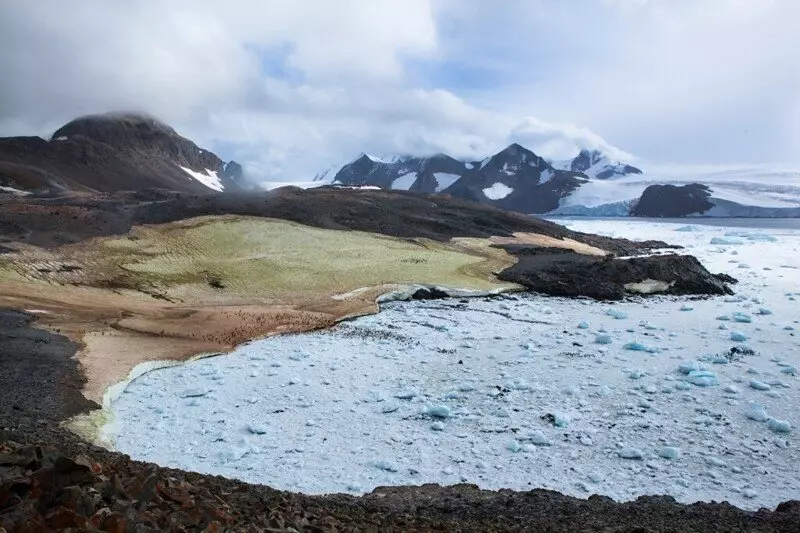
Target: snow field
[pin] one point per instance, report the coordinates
(647, 396)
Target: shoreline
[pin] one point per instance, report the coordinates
(97, 426)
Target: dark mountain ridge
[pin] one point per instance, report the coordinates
(113, 152)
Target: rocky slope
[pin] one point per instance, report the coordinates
(420, 174)
(113, 152)
(515, 178)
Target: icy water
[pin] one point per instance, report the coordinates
(696, 398)
(744, 223)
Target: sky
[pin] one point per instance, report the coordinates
(291, 88)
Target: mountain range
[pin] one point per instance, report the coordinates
(590, 184)
(131, 152)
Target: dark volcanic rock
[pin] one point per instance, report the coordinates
(429, 293)
(569, 274)
(673, 201)
(114, 152)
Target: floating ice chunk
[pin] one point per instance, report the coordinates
(603, 338)
(538, 438)
(502, 412)
(583, 324)
(438, 411)
(636, 374)
(384, 465)
(688, 228)
(513, 446)
(518, 384)
(724, 317)
(257, 428)
(738, 336)
(687, 307)
(758, 385)
(616, 313)
(194, 393)
(406, 394)
(605, 390)
(452, 395)
(731, 389)
(437, 426)
(749, 493)
(764, 311)
(560, 420)
(637, 346)
(779, 426)
(669, 452)
(629, 452)
(756, 412)
(389, 407)
(702, 378)
(792, 371)
(724, 241)
(742, 317)
(683, 385)
(689, 366)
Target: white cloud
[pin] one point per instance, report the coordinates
(563, 141)
(292, 87)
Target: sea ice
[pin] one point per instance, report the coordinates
(758, 385)
(779, 426)
(738, 336)
(702, 378)
(669, 452)
(538, 438)
(438, 411)
(629, 452)
(725, 241)
(603, 338)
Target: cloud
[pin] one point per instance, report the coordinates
(563, 141)
(290, 88)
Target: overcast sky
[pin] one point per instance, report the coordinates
(291, 87)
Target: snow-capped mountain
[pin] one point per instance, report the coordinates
(421, 174)
(517, 179)
(597, 165)
(591, 184)
(514, 178)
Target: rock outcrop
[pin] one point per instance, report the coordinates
(673, 201)
(562, 273)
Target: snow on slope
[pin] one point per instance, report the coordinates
(497, 191)
(269, 185)
(444, 180)
(521, 392)
(209, 179)
(405, 181)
